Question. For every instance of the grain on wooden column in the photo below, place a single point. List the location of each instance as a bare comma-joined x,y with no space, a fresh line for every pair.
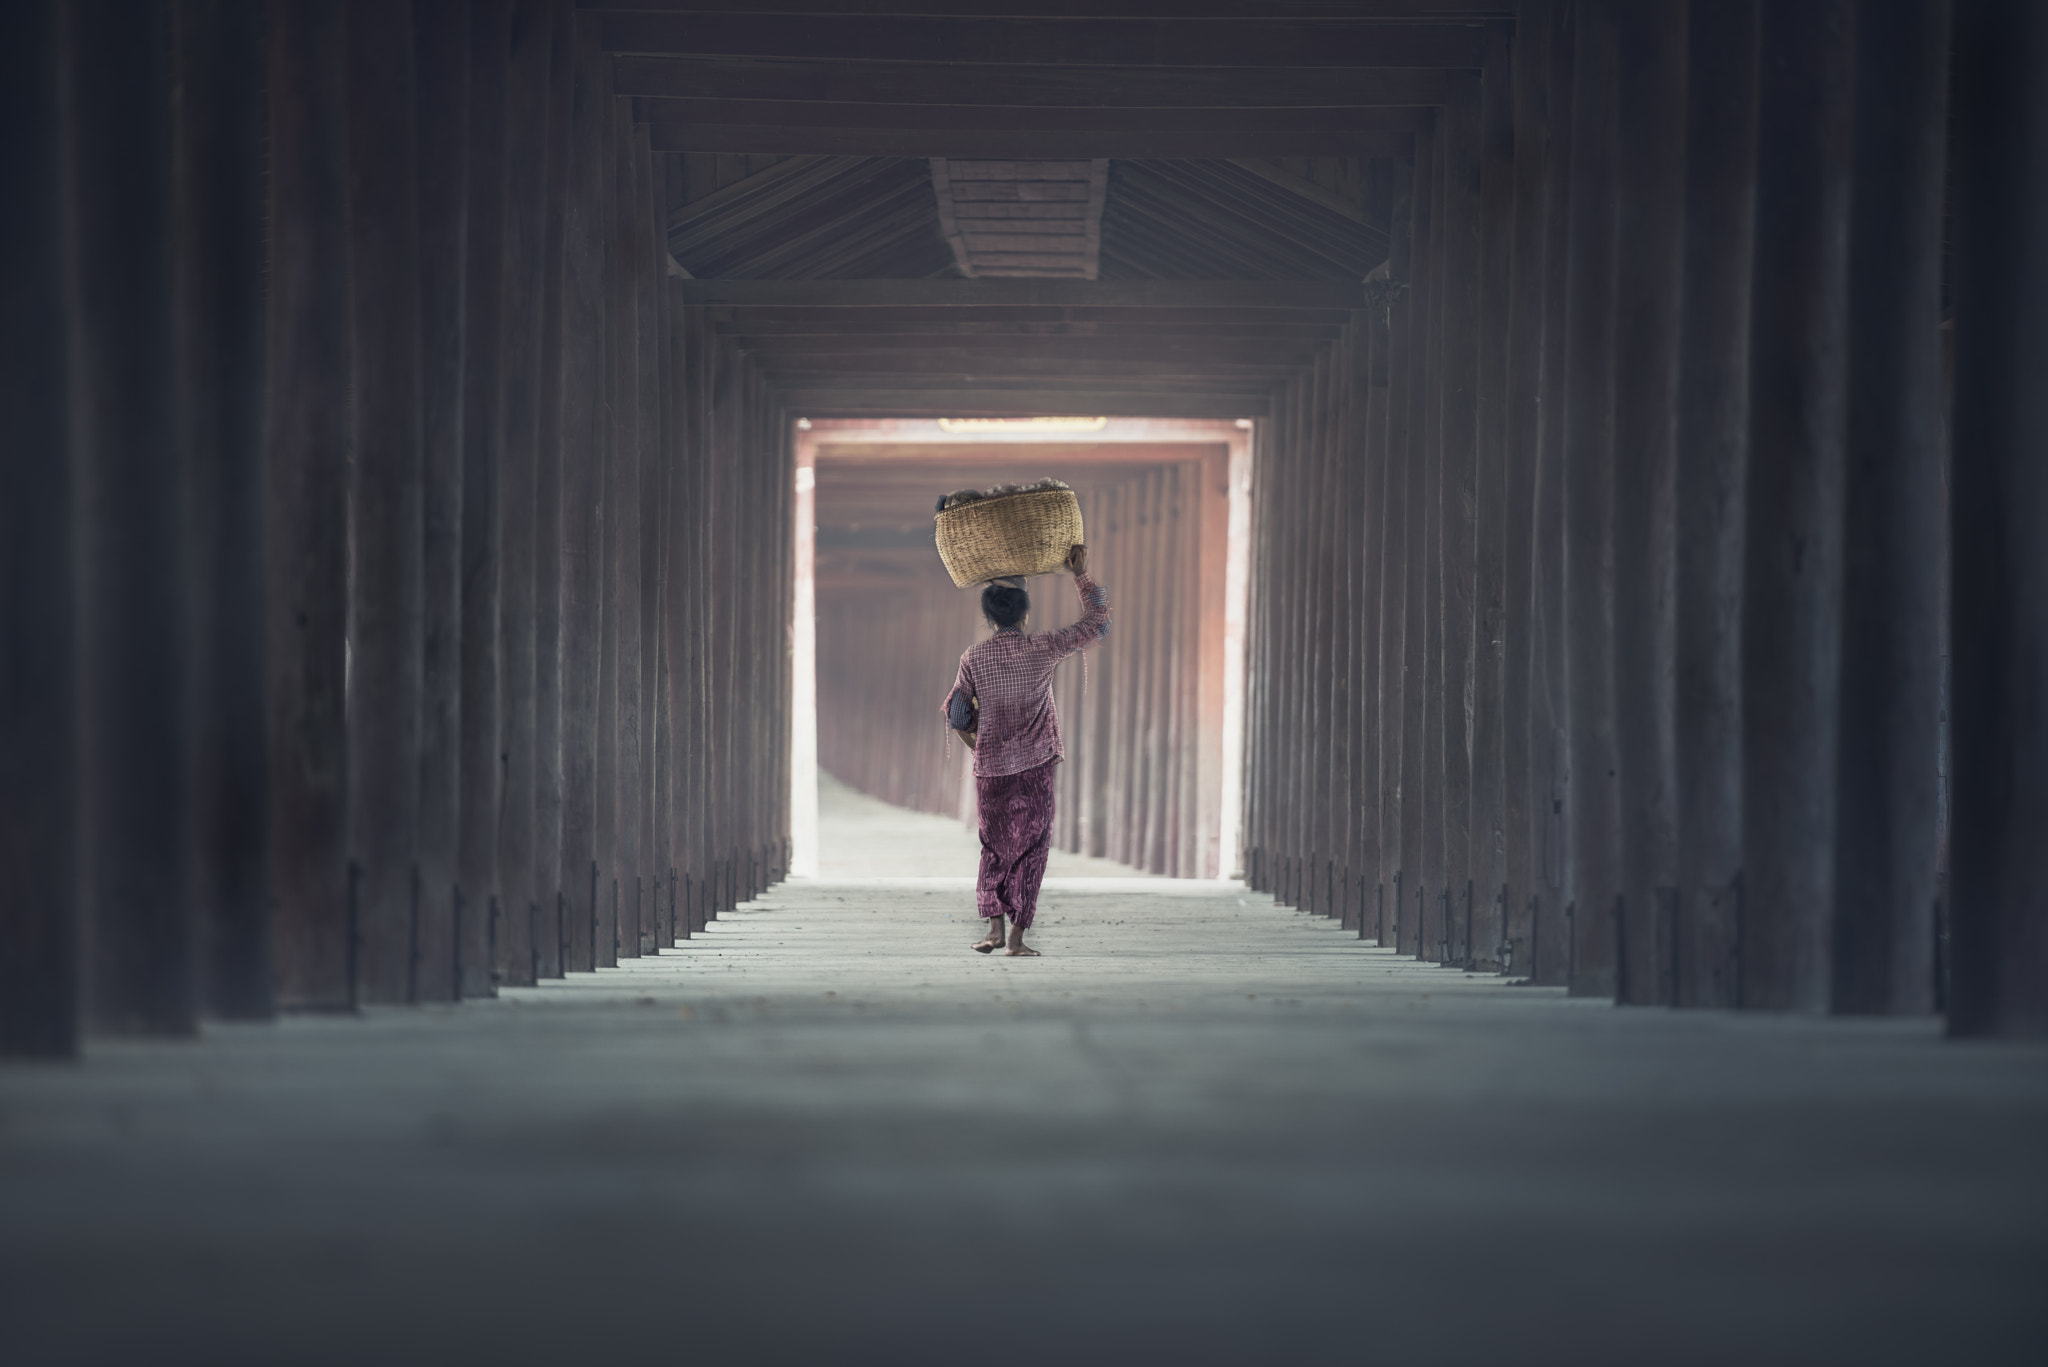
1588,476
1791,640
1396,524
551,448
1486,870
1524,797
646,507
482,444
619,723
1417,674
528,81
1888,788
441,57
2000,588
1425,575
582,474
39,751
1369,508
1456,499
384,621
1712,451
1649,172
220,358
1549,749
308,436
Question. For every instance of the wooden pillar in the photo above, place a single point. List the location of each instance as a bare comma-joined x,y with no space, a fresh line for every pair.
483,438
441,52
220,377
1523,796
1588,475
1396,525
141,965
1431,884
622,536
1549,752
385,498
38,604
652,865
1712,461
582,471
1486,868
517,926
1887,790
1456,502
1791,646
1998,979
309,434
1649,171
1416,672
551,927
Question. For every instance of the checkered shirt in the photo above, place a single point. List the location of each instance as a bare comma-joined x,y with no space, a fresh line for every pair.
1009,679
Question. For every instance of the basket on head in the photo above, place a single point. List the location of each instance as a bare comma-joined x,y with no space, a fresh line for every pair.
1023,533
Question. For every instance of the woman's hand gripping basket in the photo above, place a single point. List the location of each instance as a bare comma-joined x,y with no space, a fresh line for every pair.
1007,531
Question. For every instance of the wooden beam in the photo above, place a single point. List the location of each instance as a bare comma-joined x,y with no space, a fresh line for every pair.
967,403
1211,294
770,140
1197,345
970,318
1397,10
1302,187
1287,44
1117,87
1338,118
855,327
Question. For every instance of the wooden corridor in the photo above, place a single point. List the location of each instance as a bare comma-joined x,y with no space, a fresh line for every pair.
1202,1129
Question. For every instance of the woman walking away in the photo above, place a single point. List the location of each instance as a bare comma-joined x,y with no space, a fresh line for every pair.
1002,707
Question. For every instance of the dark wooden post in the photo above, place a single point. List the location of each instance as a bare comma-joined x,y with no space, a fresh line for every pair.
310,427
1791,644
528,79
1486,869
1523,796
1999,925
582,472
1712,451
141,966
1887,791
1587,468
442,54
621,738
1396,523
220,358
38,594
1457,500
482,442
1550,955
1416,671
384,672
549,883
1650,177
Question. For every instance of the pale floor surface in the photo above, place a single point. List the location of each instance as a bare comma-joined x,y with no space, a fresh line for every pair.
1202,1129
864,837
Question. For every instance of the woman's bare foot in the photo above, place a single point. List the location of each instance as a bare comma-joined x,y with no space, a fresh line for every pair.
1018,949
990,942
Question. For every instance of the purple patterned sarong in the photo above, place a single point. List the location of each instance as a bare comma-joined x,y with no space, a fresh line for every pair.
1016,837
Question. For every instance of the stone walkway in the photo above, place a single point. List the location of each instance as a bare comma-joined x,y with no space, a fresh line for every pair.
1202,1129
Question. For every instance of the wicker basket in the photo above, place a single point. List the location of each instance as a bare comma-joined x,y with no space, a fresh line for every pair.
1027,533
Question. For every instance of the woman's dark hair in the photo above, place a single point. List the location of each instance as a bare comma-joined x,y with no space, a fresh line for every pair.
1004,605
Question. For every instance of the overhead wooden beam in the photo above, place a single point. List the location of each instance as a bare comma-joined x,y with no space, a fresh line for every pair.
1396,10
855,328
1113,87
824,140
1260,294
1368,118
1199,344
1286,44
798,318
974,403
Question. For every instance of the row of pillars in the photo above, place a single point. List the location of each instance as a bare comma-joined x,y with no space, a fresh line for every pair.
1606,570
378,621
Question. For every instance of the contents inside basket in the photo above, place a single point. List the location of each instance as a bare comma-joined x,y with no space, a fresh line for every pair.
960,497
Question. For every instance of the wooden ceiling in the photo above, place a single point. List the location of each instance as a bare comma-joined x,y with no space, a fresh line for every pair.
1243,154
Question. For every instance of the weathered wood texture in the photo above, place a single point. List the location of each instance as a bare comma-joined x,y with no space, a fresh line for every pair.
38,605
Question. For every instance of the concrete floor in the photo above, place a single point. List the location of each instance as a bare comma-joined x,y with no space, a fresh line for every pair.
1201,1129
864,837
